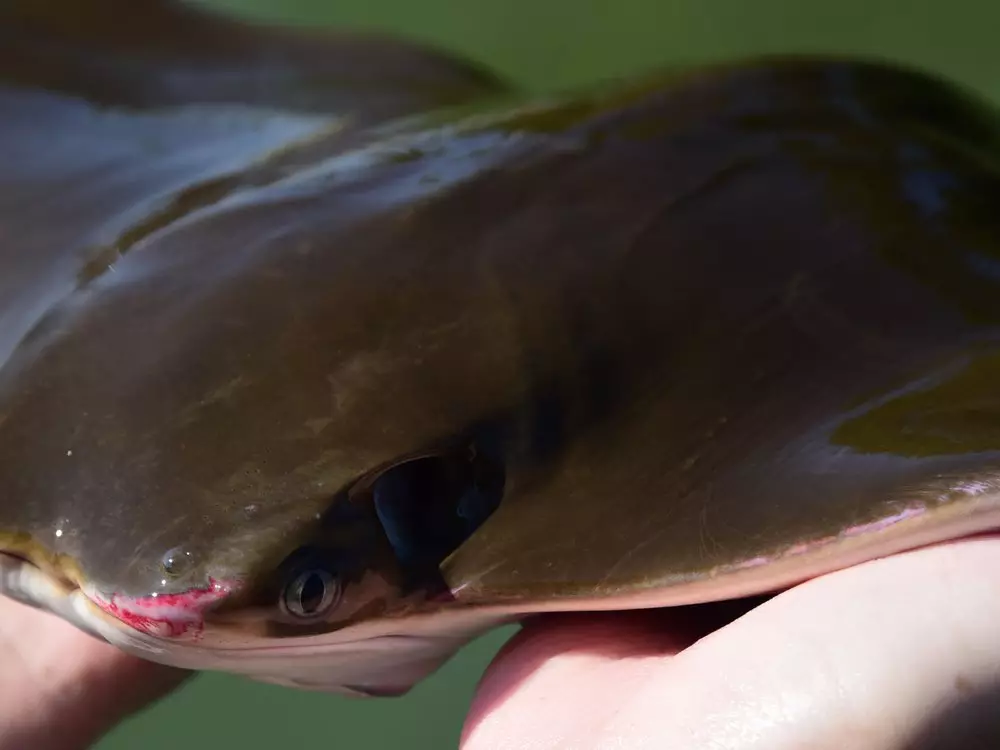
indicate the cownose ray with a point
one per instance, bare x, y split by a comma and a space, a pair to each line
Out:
323, 353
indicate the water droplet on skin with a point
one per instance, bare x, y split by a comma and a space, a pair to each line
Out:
61, 528
176, 561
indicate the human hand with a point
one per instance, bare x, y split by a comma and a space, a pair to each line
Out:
901, 653
61, 689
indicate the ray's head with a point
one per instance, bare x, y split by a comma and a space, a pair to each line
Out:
348, 600
217, 426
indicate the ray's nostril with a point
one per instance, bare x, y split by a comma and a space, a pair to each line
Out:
176, 562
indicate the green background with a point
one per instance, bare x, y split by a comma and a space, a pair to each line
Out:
544, 45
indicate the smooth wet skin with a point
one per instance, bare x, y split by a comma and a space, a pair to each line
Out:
300, 390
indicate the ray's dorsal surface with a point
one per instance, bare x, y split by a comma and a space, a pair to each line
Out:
316, 394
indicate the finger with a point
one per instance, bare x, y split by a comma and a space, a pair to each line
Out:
616, 645
867, 658
61, 688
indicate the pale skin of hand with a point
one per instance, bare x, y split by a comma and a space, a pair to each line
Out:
61, 689
862, 659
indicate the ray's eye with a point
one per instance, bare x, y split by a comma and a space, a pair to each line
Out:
311, 593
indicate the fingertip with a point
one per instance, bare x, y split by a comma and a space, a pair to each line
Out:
587, 653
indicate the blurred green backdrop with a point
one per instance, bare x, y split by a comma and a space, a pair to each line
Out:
546, 45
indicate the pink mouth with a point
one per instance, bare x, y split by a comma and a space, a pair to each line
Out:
166, 615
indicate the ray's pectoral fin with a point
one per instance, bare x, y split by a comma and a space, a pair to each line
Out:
154, 53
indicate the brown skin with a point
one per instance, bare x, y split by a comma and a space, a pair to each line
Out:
63, 64
647, 355
155, 53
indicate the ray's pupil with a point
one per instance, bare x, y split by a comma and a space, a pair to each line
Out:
312, 592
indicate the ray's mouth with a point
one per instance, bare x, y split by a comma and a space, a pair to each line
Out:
165, 615
49, 587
